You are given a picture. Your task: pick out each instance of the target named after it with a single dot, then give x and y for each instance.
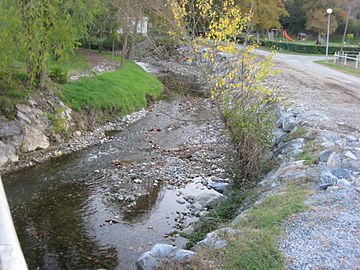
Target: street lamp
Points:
(328, 11)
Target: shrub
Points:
(59, 74)
(307, 49)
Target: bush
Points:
(307, 49)
(107, 42)
(59, 74)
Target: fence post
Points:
(345, 59)
(335, 57)
(357, 61)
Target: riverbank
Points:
(47, 126)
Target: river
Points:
(100, 208)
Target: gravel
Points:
(328, 235)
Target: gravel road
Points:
(319, 89)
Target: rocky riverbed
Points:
(143, 177)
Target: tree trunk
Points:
(132, 39)
(346, 25)
(124, 49)
(249, 26)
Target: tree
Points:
(316, 17)
(10, 26)
(295, 22)
(51, 29)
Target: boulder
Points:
(220, 186)
(333, 160)
(327, 177)
(217, 239)
(341, 173)
(152, 259)
(209, 199)
(7, 153)
(324, 155)
(9, 128)
(34, 139)
(293, 147)
(289, 124)
(279, 136)
(290, 170)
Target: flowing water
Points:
(59, 207)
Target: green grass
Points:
(330, 64)
(121, 92)
(256, 245)
(75, 63)
(298, 133)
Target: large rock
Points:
(152, 259)
(290, 170)
(341, 173)
(217, 239)
(7, 153)
(220, 186)
(9, 128)
(209, 199)
(324, 155)
(279, 136)
(293, 147)
(289, 124)
(34, 139)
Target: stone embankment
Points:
(30, 138)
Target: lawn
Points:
(331, 64)
(120, 92)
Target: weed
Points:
(58, 121)
(298, 133)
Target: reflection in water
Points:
(51, 229)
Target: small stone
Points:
(328, 144)
(333, 159)
(180, 201)
(325, 186)
(350, 138)
(77, 133)
(340, 173)
(324, 155)
(343, 183)
(350, 155)
(332, 188)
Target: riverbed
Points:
(100, 208)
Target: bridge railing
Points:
(11, 256)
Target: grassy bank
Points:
(120, 92)
(256, 246)
(338, 67)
